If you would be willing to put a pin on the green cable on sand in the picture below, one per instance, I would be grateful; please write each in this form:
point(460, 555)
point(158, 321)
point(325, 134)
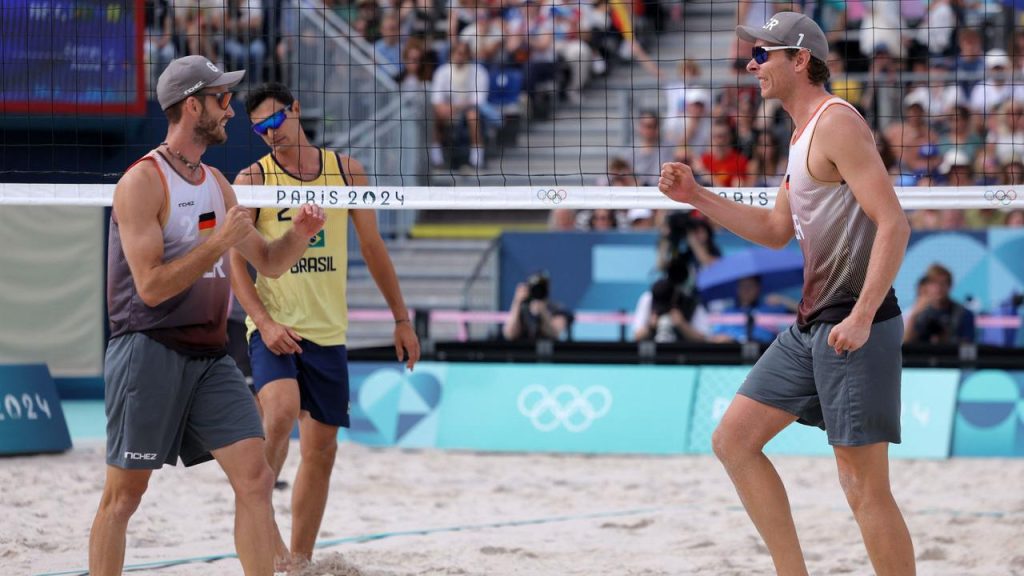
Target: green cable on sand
point(372, 537)
point(468, 527)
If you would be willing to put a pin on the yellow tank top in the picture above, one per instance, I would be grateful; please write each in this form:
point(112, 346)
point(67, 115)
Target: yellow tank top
point(310, 298)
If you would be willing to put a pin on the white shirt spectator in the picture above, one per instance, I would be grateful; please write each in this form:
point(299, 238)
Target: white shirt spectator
point(483, 38)
point(882, 25)
point(986, 96)
point(677, 98)
point(938, 100)
point(995, 88)
point(214, 9)
point(1007, 135)
point(642, 314)
point(539, 30)
point(462, 85)
point(936, 32)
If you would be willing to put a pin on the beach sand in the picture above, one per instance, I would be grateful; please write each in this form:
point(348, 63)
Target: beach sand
point(528, 514)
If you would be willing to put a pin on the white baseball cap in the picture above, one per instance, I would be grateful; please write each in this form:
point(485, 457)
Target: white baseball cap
point(638, 214)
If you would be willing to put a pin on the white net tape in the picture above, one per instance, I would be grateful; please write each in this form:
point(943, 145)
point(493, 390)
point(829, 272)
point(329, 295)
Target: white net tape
point(497, 197)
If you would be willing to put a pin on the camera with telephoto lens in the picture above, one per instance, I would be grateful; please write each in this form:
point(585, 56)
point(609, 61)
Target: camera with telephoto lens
point(538, 286)
point(680, 224)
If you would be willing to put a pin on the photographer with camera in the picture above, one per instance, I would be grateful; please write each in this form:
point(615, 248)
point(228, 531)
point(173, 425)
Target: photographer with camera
point(532, 316)
point(685, 246)
point(663, 319)
point(936, 318)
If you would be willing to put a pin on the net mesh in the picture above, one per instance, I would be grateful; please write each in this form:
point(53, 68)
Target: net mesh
point(559, 92)
point(488, 107)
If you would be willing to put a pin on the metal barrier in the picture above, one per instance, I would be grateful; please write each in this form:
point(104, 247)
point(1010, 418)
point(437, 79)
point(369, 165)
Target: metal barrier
point(771, 321)
point(962, 355)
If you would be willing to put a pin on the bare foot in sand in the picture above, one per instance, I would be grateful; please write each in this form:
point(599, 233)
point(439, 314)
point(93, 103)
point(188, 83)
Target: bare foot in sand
point(299, 563)
point(282, 557)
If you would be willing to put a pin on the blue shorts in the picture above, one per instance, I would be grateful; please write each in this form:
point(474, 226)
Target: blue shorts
point(321, 371)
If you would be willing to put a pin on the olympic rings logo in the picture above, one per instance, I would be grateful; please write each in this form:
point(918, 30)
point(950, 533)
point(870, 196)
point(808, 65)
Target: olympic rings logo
point(551, 195)
point(1003, 197)
point(564, 406)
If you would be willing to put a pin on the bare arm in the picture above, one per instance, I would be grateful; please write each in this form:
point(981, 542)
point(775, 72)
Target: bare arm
point(858, 163)
point(278, 338)
point(768, 227)
point(138, 203)
point(375, 254)
point(645, 60)
point(272, 259)
point(245, 291)
point(513, 327)
point(241, 283)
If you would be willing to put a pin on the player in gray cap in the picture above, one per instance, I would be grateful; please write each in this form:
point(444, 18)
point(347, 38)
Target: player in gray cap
point(171, 391)
point(188, 75)
point(839, 366)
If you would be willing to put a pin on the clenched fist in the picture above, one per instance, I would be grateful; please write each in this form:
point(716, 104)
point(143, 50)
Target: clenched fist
point(677, 182)
point(237, 225)
point(308, 220)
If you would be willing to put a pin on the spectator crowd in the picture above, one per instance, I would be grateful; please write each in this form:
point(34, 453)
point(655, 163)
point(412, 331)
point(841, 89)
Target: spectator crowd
point(941, 84)
point(479, 60)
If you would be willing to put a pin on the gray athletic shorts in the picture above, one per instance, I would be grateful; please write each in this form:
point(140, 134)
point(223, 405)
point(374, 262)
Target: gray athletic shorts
point(854, 396)
point(161, 405)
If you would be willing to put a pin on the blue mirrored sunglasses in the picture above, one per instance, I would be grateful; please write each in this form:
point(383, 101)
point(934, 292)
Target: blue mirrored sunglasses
point(760, 53)
point(272, 122)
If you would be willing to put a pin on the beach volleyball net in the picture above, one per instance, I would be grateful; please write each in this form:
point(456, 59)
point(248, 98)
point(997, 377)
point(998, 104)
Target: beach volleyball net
point(566, 92)
point(578, 103)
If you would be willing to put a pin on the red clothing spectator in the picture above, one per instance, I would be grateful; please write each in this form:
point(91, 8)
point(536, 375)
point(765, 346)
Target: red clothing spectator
point(723, 163)
point(727, 170)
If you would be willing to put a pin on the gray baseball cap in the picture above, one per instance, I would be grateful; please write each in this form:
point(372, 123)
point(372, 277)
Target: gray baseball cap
point(789, 29)
point(188, 75)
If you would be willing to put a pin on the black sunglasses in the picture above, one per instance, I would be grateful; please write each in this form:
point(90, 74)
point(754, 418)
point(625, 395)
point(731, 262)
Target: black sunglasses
point(760, 54)
point(223, 98)
point(272, 122)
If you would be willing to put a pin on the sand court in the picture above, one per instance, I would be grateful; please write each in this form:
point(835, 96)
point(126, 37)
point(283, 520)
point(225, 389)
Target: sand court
point(422, 512)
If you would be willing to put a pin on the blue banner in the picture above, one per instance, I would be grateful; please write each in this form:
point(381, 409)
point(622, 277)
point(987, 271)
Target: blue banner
point(990, 414)
point(929, 404)
point(929, 398)
point(567, 408)
point(648, 409)
point(31, 418)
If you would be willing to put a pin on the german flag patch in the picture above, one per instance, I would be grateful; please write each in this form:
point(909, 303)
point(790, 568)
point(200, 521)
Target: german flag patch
point(207, 222)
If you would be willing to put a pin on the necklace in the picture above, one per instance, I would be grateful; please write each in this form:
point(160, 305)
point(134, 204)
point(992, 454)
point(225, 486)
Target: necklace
point(192, 166)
